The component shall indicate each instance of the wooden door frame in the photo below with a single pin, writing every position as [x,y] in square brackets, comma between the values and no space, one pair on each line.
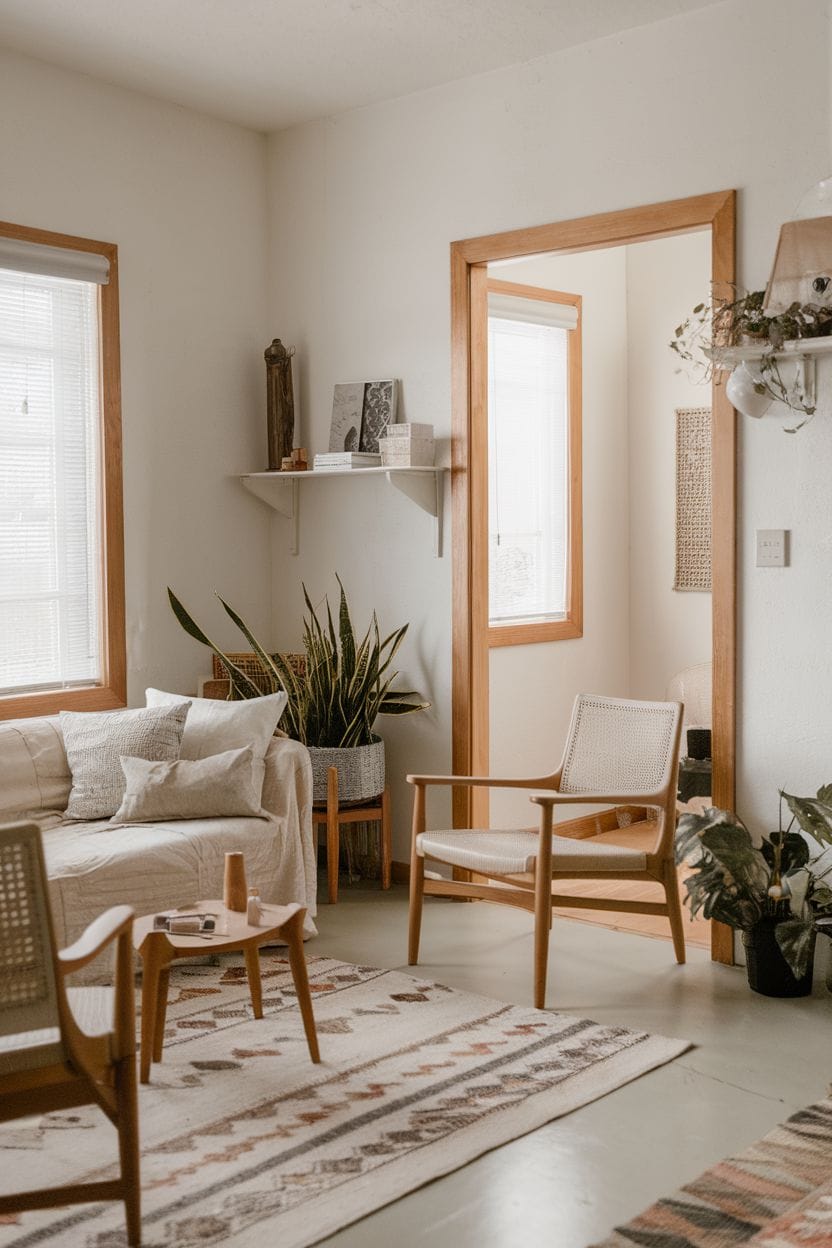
[469,480]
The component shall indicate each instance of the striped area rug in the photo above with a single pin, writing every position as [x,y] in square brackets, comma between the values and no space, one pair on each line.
[246,1143]
[776,1194]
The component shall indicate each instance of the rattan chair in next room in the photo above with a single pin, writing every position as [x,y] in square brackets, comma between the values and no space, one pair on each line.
[618,753]
[61,1047]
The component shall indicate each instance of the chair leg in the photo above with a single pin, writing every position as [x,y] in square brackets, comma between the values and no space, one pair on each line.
[542,906]
[128,1144]
[417,879]
[542,924]
[333,838]
[674,908]
[386,840]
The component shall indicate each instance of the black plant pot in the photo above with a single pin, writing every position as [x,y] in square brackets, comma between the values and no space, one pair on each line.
[768,971]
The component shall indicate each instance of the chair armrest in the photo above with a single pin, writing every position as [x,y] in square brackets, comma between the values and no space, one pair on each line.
[100,933]
[493,782]
[599,799]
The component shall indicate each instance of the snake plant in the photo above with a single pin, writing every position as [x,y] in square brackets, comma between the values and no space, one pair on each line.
[347,683]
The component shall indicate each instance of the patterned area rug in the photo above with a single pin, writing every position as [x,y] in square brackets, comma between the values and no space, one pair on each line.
[245,1142]
[777,1194]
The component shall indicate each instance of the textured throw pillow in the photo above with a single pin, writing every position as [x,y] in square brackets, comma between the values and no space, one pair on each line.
[214,726]
[204,788]
[95,741]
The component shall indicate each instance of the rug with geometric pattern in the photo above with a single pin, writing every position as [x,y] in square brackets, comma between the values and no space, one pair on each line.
[246,1143]
[775,1194]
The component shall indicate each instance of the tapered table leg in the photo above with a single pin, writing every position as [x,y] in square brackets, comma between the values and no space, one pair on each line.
[293,934]
[255,986]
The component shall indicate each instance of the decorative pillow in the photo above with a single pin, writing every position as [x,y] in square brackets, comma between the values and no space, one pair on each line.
[204,788]
[95,741]
[214,726]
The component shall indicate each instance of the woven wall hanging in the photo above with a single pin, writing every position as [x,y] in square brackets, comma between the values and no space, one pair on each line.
[693,499]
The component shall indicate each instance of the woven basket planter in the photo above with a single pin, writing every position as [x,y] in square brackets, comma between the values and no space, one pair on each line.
[360,771]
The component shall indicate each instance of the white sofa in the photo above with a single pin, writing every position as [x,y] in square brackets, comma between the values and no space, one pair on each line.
[155,866]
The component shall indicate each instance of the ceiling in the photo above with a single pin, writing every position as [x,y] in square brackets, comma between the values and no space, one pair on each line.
[268,64]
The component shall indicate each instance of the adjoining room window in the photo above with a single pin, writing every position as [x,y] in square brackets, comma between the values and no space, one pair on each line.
[61,543]
[534,450]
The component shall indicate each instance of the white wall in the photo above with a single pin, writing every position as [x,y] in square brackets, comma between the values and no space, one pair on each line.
[183,197]
[533,687]
[669,629]
[363,207]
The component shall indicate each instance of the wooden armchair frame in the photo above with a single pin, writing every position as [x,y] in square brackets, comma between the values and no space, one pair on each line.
[534,890]
[95,1069]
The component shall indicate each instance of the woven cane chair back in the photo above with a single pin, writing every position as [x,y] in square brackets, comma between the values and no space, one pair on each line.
[28,998]
[619,746]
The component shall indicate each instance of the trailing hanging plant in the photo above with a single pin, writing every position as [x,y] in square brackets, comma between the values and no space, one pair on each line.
[740,881]
[347,683]
[726,322]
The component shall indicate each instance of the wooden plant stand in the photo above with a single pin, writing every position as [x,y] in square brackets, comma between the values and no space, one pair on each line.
[333,814]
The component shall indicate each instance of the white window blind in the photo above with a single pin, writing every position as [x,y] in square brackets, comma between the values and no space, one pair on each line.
[528,459]
[50,432]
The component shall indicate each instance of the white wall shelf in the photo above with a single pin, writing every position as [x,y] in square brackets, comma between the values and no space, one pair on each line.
[802,352]
[281,491]
[730,357]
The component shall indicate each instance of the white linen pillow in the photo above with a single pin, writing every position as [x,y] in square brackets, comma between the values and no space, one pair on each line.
[214,726]
[216,787]
[94,742]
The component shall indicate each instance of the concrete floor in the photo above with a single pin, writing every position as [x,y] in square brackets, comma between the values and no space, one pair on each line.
[757,1060]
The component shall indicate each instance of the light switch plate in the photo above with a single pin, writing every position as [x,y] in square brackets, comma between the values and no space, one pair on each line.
[771,548]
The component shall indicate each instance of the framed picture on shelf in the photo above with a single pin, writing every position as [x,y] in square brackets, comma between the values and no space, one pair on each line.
[380,403]
[347,411]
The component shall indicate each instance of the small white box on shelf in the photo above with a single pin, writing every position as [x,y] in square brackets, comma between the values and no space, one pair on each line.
[407,429]
[407,452]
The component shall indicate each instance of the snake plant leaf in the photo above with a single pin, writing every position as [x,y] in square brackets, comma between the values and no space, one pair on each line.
[796,941]
[265,658]
[346,631]
[245,687]
[395,707]
[813,814]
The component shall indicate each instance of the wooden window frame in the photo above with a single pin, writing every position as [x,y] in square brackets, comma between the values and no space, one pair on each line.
[111,691]
[572,625]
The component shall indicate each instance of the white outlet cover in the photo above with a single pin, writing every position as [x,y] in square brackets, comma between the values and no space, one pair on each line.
[771,548]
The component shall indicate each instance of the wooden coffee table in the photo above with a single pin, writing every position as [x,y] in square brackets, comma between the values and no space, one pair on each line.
[159,949]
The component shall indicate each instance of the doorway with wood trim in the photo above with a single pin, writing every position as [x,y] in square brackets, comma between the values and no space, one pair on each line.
[478,264]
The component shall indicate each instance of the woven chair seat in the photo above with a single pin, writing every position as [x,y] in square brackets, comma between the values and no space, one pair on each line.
[92,1009]
[513,852]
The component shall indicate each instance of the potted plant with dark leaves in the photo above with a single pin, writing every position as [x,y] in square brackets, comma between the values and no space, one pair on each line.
[333,705]
[771,887]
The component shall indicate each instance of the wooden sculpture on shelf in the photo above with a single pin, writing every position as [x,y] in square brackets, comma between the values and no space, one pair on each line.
[280,402]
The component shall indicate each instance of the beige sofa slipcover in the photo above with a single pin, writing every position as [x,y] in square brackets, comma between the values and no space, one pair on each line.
[155,866]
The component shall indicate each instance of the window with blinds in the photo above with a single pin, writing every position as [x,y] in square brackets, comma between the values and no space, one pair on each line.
[51,630]
[528,458]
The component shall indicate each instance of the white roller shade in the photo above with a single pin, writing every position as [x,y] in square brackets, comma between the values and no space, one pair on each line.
[532,311]
[50,528]
[79,266]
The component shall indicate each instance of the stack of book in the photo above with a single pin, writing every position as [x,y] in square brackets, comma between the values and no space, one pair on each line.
[337,461]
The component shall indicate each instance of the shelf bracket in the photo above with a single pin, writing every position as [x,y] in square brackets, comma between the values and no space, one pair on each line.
[282,497]
[423,488]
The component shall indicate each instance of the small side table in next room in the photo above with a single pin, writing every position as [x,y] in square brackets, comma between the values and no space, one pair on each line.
[159,949]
